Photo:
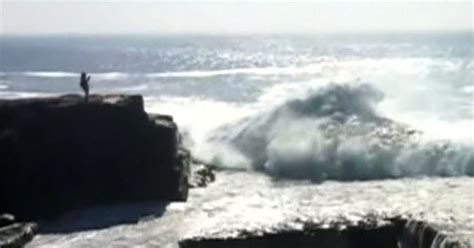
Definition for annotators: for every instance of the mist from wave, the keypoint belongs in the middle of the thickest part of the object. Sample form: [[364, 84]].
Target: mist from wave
[[336, 133], [361, 119], [365, 119]]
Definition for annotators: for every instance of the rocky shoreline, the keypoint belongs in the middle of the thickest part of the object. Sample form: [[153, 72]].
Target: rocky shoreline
[[246, 209], [429, 212], [14, 234], [60, 155], [373, 231]]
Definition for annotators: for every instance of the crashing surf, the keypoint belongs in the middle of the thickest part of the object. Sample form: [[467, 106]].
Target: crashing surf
[[336, 133]]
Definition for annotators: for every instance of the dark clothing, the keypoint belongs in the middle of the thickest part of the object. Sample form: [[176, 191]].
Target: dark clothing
[[84, 83]]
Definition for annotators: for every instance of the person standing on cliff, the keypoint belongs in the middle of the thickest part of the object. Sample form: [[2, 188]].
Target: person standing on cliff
[[85, 85]]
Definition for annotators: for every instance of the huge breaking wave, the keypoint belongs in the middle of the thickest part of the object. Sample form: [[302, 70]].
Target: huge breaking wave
[[336, 133]]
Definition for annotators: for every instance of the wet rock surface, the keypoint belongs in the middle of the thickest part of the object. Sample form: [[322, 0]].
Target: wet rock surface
[[59, 154], [202, 174], [14, 234], [373, 231], [247, 204], [337, 133], [365, 234]]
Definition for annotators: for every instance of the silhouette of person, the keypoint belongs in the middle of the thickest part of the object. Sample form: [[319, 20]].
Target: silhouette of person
[[85, 85]]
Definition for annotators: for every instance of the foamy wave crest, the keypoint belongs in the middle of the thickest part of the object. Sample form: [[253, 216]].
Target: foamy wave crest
[[468, 89], [226, 72], [50, 74], [321, 65], [110, 75], [335, 133], [65, 74], [17, 94], [325, 65]]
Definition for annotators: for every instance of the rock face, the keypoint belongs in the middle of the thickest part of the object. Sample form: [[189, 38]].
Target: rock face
[[371, 232], [60, 153], [15, 234], [382, 237], [202, 174], [6, 219]]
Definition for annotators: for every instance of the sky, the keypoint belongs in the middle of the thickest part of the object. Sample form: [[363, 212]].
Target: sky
[[59, 17]]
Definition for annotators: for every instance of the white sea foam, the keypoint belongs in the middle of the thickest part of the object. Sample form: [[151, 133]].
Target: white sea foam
[[468, 89], [65, 74], [49, 74], [199, 117], [263, 133], [269, 136], [317, 67], [404, 65], [22, 94], [110, 76], [337, 133], [136, 89]]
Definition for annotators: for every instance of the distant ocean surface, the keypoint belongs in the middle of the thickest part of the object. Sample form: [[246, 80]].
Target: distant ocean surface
[[286, 94]]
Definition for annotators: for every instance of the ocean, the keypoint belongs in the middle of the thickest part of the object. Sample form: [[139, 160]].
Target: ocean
[[209, 84], [321, 108]]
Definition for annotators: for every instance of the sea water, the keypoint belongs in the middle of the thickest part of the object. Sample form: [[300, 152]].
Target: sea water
[[227, 92]]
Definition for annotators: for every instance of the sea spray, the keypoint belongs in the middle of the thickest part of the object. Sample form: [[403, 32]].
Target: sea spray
[[336, 133]]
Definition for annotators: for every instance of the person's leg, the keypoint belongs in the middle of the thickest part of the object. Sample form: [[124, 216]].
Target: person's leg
[[86, 90]]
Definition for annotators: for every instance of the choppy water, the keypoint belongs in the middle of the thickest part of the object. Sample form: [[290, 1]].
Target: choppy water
[[424, 81]]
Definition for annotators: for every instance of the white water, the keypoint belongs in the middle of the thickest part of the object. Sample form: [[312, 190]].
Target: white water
[[252, 202], [268, 134], [432, 95]]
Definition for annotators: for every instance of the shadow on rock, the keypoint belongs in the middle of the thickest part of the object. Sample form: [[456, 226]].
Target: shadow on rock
[[103, 217]]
